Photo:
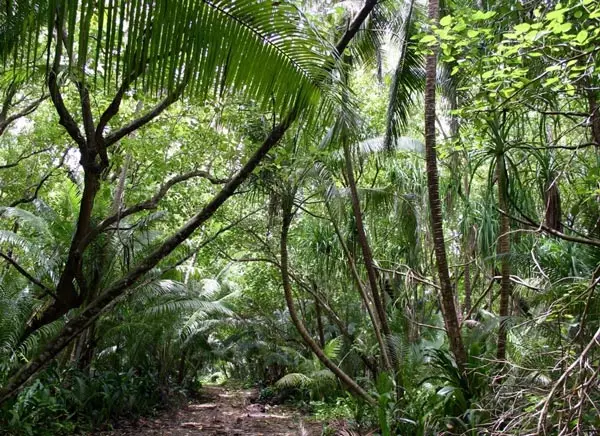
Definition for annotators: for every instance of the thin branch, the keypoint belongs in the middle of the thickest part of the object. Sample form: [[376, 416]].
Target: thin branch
[[153, 202], [543, 228], [24, 157], [115, 104], [212, 238], [28, 276], [147, 117], [541, 427], [4, 123], [479, 300], [39, 186]]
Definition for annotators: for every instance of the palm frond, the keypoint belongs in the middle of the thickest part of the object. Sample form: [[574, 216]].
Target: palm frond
[[294, 380], [20, 24], [26, 217], [368, 45], [333, 347], [265, 49], [400, 143], [15, 240], [188, 305], [407, 79]]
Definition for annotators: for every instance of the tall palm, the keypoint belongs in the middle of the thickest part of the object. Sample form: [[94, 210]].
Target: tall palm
[[447, 293]]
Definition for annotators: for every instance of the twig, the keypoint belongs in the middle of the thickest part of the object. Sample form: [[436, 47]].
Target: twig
[[563, 378]]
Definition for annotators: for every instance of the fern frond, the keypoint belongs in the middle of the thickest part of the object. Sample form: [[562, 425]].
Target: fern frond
[[294, 380]]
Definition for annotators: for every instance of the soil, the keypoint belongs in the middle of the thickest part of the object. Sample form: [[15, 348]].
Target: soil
[[224, 411]]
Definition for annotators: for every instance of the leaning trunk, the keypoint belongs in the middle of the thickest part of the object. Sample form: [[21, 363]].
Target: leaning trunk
[[300, 327], [367, 256]]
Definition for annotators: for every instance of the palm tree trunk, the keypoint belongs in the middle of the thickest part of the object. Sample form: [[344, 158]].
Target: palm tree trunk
[[503, 253], [447, 293]]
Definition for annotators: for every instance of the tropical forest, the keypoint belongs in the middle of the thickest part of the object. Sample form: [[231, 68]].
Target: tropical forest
[[299, 217]]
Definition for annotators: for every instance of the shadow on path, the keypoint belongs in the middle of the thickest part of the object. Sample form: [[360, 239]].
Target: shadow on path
[[223, 411]]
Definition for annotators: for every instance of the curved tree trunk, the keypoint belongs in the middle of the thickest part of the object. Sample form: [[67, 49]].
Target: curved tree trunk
[[361, 290], [367, 256], [289, 299], [447, 293]]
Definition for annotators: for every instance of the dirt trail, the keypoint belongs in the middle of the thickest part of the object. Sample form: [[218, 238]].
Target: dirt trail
[[222, 411]]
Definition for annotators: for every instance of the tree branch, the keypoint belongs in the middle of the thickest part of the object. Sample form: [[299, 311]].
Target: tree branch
[[543, 228], [115, 104], [24, 157], [28, 276], [146, 118], [5, 120], [38, 187], [65, 118], [151, 203]]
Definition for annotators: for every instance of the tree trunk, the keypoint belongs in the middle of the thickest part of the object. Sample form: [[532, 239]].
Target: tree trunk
[[361, 290], [367, 257], [503, 254], [447, 293], [289, 299], [319, 323]]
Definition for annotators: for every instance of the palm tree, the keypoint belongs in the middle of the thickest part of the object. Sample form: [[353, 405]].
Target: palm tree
[[447, 293]]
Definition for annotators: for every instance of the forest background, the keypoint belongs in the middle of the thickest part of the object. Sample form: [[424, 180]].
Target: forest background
[[387, 209]]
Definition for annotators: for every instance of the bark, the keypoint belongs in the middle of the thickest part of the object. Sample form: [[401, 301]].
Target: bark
[[503, 254], [363, 293], [446, 291], [367, 254], [289, 298]]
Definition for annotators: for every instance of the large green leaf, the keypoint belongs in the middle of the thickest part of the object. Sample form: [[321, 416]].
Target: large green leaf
[[407, 79], [264, 48]]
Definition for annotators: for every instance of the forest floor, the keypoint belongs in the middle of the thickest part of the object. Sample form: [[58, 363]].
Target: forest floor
[[224, 411]]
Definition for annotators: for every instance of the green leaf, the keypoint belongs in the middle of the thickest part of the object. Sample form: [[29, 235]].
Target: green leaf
[[582, 36], [446, 21], [522, 28]]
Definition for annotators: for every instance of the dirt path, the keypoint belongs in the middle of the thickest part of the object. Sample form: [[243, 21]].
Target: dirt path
[[222, 411]]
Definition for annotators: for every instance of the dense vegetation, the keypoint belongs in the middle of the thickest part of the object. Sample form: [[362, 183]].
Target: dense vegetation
[[387, 210]]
